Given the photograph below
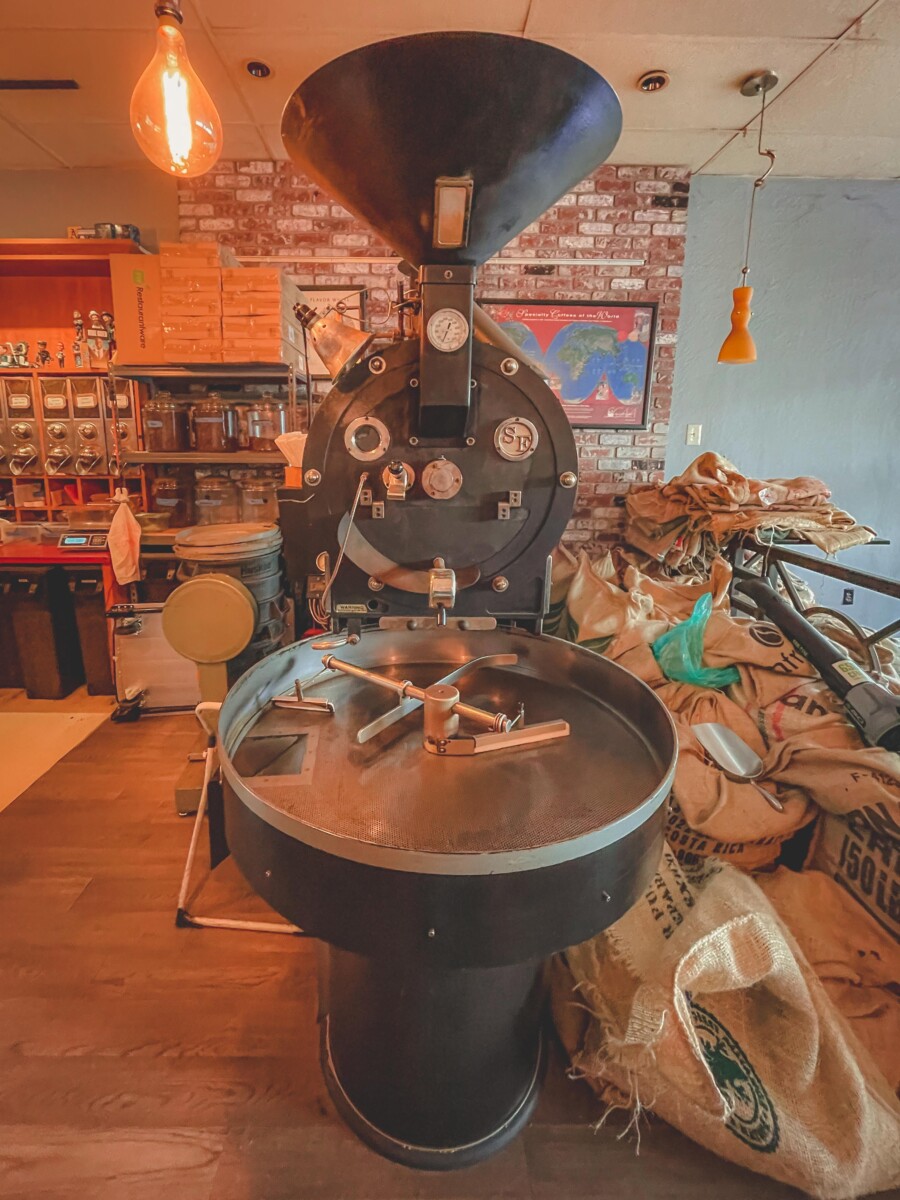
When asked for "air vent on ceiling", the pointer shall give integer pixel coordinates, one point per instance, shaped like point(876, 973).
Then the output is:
point(38, 85)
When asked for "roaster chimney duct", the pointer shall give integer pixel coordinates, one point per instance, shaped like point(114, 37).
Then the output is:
point(378, 126)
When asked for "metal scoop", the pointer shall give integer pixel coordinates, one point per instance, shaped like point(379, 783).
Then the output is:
point(734, 756)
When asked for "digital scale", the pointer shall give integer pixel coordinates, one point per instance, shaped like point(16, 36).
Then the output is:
point(83, 541)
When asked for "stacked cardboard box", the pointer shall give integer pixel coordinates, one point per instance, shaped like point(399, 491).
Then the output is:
point(258, 319)
point(191, 302)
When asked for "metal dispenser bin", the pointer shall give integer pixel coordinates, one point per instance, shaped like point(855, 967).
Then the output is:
point(59, 431)
point(90, 427)
point(22, 426)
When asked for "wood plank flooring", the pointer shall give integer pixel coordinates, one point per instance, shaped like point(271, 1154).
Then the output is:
point(139, 1061)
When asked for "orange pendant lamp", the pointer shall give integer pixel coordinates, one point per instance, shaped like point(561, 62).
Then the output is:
point(739, 347)
point(173, 118)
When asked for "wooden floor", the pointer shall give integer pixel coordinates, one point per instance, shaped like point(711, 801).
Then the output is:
point(139, 1061)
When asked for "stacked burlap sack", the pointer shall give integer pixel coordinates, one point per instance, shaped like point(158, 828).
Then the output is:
point(761, 1015)
point(685, 522)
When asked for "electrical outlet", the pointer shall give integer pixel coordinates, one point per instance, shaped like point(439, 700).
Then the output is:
point(848, 596)
point(692, 435)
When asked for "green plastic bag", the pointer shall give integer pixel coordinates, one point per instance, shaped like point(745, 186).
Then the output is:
point(679, 651)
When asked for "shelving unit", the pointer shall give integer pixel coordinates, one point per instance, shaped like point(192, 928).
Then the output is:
point(57, 491)
point(42, 282)
point(189, 458)
point(230, 381)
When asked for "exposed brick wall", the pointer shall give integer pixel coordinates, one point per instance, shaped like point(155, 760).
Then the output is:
point(620, 212)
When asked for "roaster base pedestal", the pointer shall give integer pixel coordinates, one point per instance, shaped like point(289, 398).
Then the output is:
point(436, 1069)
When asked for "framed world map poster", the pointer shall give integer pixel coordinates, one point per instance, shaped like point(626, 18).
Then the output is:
point(597, 358)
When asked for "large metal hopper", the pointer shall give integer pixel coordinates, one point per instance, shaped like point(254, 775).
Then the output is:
point(379, 125)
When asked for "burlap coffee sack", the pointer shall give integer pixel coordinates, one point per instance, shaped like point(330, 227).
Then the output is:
point(713, 496)
point(714, 816)
point(675, 599)
point(809, 708)
point(702, 1008)
point(563, 566)
point(631, 650)
point(597, 610)
point(856, 960)
point(691, 848)
point(715, 488)
point(861, 853)
point(768, 663)
point(838, 773)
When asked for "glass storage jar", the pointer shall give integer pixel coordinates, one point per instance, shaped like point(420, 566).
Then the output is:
point(259, 501)
point(174, 495)
point(216, 501)
point(215, 425)
point(266, 419)
point(165, 424)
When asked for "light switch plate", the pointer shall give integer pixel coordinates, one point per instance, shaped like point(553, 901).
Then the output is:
point(692, 435)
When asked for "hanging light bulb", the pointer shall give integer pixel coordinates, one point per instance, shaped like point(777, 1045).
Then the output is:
point(174, 120)
point(739, 347)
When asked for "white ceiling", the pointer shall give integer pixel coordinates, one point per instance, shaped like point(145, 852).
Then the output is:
point(834, 113)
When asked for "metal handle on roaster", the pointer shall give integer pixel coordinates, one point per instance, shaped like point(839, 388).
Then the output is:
point(496, 722)
point(443, 708)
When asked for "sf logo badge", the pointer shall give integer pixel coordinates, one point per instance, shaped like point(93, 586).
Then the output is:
point(516, 438)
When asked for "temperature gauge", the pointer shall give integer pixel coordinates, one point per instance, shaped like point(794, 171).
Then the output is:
point(447, 330)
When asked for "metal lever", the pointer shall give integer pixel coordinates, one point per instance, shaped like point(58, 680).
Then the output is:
point(443, 709)
point(397, 480)
point(441, 589)
point(409, 705)
point(498, 722)
point(481, 743)
point(300, 702)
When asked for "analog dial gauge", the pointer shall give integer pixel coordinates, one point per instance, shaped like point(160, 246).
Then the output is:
point(447, 329)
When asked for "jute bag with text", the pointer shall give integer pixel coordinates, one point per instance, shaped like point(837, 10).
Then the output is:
point(702, 1008)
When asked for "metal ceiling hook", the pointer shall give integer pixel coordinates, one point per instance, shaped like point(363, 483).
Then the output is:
point(770, 155)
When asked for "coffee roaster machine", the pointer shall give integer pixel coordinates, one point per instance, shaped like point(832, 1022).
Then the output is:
point(440, 793)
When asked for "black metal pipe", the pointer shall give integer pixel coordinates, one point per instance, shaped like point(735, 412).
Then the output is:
point(872, 708)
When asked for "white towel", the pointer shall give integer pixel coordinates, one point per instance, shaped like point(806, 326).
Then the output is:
point(124, 543)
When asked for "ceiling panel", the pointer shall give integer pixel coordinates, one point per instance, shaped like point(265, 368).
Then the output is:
point(272, 134)
point(291, 56)
point(244, 141)
point(91, 144)
point(19, 153)
point(883, 25)
point(846, 101)
point(850, 92)
point(695, 19)
point(704, 91)
point(814, 156)
point(379, 18)
point(106, 66)
point(668, 147)
point(63, 14)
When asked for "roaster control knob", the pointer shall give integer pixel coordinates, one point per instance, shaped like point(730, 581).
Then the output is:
point(398, 478)
point(87, 431)
point(21, 430)
point(57, 431)
point(441, 479)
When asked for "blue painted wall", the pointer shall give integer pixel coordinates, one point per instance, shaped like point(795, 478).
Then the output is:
point(824, 397)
